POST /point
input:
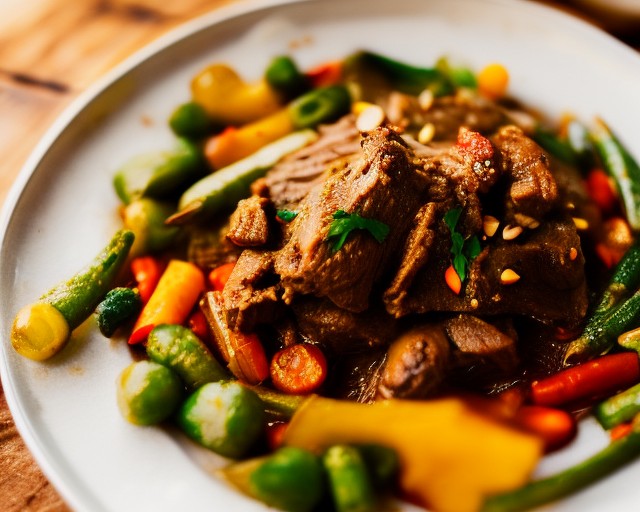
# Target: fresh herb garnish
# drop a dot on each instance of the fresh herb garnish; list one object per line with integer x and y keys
{"x": 344, "y": 223}
{"x": 464, "y": 250}
{"x": 286, "y": 215}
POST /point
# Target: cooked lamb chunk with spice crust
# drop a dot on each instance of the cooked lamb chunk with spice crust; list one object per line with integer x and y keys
{"x": 249, "y": 224}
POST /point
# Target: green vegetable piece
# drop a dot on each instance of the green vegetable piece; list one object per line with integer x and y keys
{"x": 464, "y": 251}
{"x": 382, "y": 463}
{"x": 284, "y": 76}
{"x": 554, "y": 145}
{"x": 286, "y": 215}
{"x": 180, "y": 349}
{"x": 78, "y": 297}
{"x": 401, "y": 76}
{"x": 225, "y": 187}
{"x": 146, "y": 218}
{"x": 225, "y": 417}
{"x": 624, "y": 280}
{"x": 161, "y": 174}
{"x": 622, "y": 167}
{"x": 290, "y": 479}
{"x": 344, "y": 223}
{"x": 148, "y": 393}
{"x": 118, "y": 306}
{"x": 571, "y": 480}
{"x": 619, "y": 408}
{"x": 321, "y": 105}
{"x": 191, "y": 120}
{"x": 457, "y": 76}
{"x": 348, "y": 479}
{"x": 278, "y": 405}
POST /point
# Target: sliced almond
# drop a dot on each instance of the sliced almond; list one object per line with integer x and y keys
{"x": 426, "y": 133}
{"x": 526, "y": 221}
{"x": 511, "y": 232}
{"x": 581, "y": 224}
{"x": 425, "y": 99}
{"x": 490, "y": 225}
{"x": 509, "y": 276}
{"x": 370, "y": 118}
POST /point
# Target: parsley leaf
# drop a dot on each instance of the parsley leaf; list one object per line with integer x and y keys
{"x": 464, "y": 251}
{"x": 344, "y": 223}
{"x": 286, "y": 215}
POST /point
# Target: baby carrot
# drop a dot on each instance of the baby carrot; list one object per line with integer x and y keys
{"x": 146, "y": 271}
{"x": 596, "y": 378}
{"x": 173, "y": 299}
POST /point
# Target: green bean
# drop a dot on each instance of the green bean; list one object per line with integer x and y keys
{"x": 619, "y": 408}
{"x": 348, "y": 479}
{"x": 284, "y": 76}
{"x": 191, "y": 120}
{"x": 146, "y": 218}
{"x": 320, "y": 105}
{"x": 571, "y": 480}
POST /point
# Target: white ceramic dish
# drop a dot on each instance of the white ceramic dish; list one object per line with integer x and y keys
{"x": 63, "y": 209}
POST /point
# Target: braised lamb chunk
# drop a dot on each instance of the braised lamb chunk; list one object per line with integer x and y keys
{"x": 417, "y": 363}
{"x": 294, "y": 176}
{"x": 385, "y": 186}
{"x": 341, "y": 331}
{"x": 249, "y": 224}
{"x": 532, "y": 189}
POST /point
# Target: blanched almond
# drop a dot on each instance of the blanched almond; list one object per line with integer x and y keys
{"x": 509, "y": 276}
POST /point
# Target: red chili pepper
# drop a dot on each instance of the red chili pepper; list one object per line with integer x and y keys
{"x": 555, "y": 426}
{"x": 140, "y": 335}
{"x": 594, "y": 379}
{"x": 601, "y": 191}
{"x": 620, "y": 431}
{"x": 198, "y": 324}
{"x": 219, "y": 276}
{"x": 329, "y": 73}
{"x": 275, "y": 434}
{"x": 146, "y": 271}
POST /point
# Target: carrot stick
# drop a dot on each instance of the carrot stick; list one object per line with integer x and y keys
{"x": 555, "y": 426}
{"x": 298, "y": 369}
{"x": 219, "y": 276}
{"x": 620, "y": 431}
{"x": 173, "y": 299}
{"x": 597, "y": 378}
{"x": 146, "y": 271}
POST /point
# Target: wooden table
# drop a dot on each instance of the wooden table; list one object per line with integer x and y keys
{"x": 50, "y": 51}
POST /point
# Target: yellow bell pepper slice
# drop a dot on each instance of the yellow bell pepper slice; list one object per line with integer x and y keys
{"x": 452, "y": 456}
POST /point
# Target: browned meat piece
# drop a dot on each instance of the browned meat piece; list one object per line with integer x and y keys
{"x": 249, "y": 225}
{"x": 209, "y": 246}
{"x": 532, "y": 188}
{"x": 417, "y": 363}
{"x": 293, "y": 177}
{"x": 384, "y": 186}
{"x": 551, "y": 285}
{"x": 341, "y": 331}
{"x": 480, "y": 343}
{"x": 251, "y": 295}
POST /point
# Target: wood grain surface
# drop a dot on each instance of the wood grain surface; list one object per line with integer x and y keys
{"x": 50, "y": 51}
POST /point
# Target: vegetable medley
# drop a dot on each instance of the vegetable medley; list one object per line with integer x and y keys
{"x": 370, "y": 280}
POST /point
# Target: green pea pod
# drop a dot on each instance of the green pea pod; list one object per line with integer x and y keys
{"x": 224, "y": 188}
{"x": 146, "y": 218}
{"x": 225, "y": 417}
{"x": 161, "y": 174}
{"x": 284, "y": 76}
{"x": 118, "y": 306}
{"x": 619, "y": 408}
{"x": 622, "y": 167}
{"x": 290, "y": 479}
{"x": 148, "y": 393}
{"x": 41, "y": 329}
{"x": 179, "y": 348}
{"x": 348, "y": 479}
{"x": 191, "y": 120}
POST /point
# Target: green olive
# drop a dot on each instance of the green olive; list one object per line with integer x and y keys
{"x": 39, "y": 331}
{"x": 148, "y": 393}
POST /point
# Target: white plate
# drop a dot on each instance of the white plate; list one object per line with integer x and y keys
{"x": 62, "y": 210}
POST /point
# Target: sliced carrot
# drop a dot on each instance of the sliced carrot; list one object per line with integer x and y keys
{"x": 594, "y": 379}
{"x": 298, "y": 369}
{"x": 219, "y": 276}
{"x": 146, "y": 271}
{"x": 555, "y": 426}
{"x": 328, "y": 73}
{"x": 620, "y": 431}
{"x": 453, "y": 280}
{"x": 173, "y": 299}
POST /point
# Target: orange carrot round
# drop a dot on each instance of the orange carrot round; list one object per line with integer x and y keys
{"x": 174, "y": 297}
{"x": 299, "y": 369}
